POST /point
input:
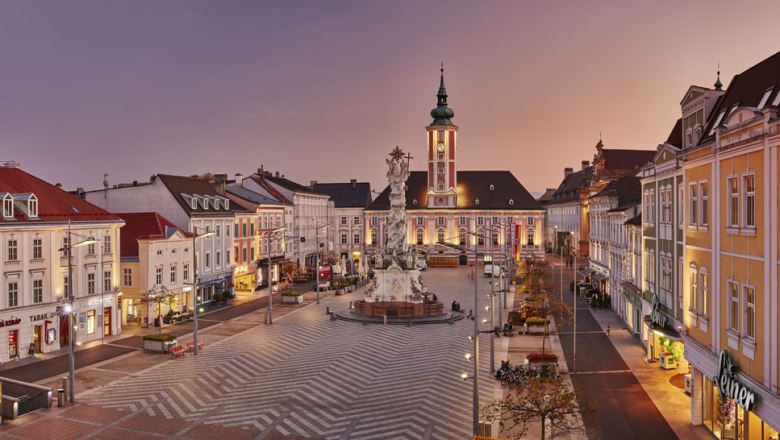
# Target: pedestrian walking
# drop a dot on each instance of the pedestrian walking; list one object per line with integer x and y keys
{"x": 608, "y": 329}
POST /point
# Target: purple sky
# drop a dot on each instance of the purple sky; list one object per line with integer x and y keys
{"x": 323, "y": 90}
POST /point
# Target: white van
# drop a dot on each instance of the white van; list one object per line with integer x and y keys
{"x": 493, "y": 270}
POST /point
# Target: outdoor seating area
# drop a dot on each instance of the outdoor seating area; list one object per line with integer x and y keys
{"x": 176, "y": 351}
{"x": 191, "y": 346}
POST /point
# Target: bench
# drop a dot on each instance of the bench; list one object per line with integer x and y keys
{"x": 191, "y": 346}
{"x": 176, "y": 351}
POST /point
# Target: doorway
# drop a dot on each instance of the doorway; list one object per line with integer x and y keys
{"x": 64, "y": 333}
{"x": 107, "y": 321}
{"x": 38, "y": 338}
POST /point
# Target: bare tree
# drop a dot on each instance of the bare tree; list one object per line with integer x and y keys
{"x": 159, "y": 297}
{"x": 550, "y": 402}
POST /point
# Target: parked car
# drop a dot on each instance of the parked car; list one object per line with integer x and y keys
{"x": 493, "y": 270}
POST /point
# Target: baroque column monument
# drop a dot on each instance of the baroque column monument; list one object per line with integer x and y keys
{"x": 396, "y": 275}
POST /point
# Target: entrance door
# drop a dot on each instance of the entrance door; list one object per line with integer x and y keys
{"x": 38, "y": 338}
{"x": 64, "y": 333}
{"x": 107, "y": 321}
{"x": 13, "y": 343}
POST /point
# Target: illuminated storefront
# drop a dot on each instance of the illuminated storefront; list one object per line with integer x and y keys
{"x": 663, "y": 341}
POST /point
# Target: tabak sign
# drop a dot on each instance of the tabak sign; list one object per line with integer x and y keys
{"x": 729, "y": 386}
{"x": 657, "y": 317}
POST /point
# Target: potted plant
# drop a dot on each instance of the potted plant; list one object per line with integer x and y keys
{"x": 158, "y": 343}
{"x": 542, "y": 358}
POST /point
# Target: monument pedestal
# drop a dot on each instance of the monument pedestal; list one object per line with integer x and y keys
{"x": 396, "y": 284}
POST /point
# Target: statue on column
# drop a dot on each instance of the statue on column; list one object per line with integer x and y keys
{"x": 396, "y": 249}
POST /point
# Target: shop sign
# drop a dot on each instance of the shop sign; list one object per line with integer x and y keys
{"x": 657, "y": 317}
{"x": 107, "y": 300}
{"x": 41, "y": 317}
{"x": 729, "y": 386}
{"x": 10, "y": 322}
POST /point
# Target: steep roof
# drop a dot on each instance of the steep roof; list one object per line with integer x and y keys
{"x": 472, "y": 186}
{"x": 252, "y": 196}
{"x": 675, "y": 136}
{"x": 54, "y": 204}
{"x": 143, "y": 225}
{"x": 619, "y": 159}
{"x": 746, "y": 90}
{"x": 627, "y": 189}
{"x": 179, "y": 186}
{"x": 347, "y": 195}
{"x": 567, "y": 190}
{"x": 284, "y": 183}
{"x": 546, "y": 197}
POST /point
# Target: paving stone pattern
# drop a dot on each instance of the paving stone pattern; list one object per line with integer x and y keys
{"x": 311, "y": 377}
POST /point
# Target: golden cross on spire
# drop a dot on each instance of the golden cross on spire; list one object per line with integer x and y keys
{"x": 397, "y": 154}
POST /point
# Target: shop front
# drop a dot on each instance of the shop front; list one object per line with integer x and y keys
{"x": 29, "y": 332}
{"x": 663, "y": 341}
{"x": 245, "y": 278}
{"x": 633, "y": 317}
{"x": 729, "y": 407}
{"x": 210, "y": 285}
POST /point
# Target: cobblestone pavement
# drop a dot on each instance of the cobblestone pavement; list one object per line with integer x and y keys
{"x": 304, "y": 376}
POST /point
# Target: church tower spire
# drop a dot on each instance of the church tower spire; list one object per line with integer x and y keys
{"x": 442, "y": 136}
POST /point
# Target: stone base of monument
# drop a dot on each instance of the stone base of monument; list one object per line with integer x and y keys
{"x": 398, "y": 309}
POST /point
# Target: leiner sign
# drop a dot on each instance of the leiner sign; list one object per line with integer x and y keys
{"x": 656, "y": 316}
{"x": 729, "y": 386}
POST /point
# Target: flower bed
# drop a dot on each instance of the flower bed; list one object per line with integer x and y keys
{"x": 535, "y": 320}
{"x": 292, "y": 297}
{"x": 542, "y": 357}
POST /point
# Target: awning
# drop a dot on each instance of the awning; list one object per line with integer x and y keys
{"x": 666, "y": 332}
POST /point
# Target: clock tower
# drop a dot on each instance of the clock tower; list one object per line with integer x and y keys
{"x": 442, "y": 139}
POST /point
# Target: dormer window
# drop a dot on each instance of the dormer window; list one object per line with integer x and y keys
{"x": 414, "y": 202}
{"x": 8, "y": 206}
{"x": 32, "y": 207}
{"x": 476, "y": 202}
{"x": 511, "y": 202}
{"x": 492, "y": 188}
{"x": 765, "y": 98}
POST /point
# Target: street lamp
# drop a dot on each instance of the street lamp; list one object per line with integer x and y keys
{"x": 69, "y": 308}
{"x": 270, "y": 286}
{"x": 575, "y": 298}
{"x": 317, "y": 263}
{"x": 195, "y": 296}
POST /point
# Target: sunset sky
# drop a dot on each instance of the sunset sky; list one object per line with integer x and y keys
{"x": 323, "y": 90}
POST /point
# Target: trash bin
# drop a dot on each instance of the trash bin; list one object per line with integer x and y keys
{"x": 60, "y": 398}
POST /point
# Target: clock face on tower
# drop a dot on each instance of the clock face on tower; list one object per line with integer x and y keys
{"x": 440, "y": 201}
{"x": 440, "y": 147}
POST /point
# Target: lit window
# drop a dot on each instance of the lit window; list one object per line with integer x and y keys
{"x": 692, "y": 293}
{"x": 703, "y": 194}
{"x": 158, "y": 276}
{"x": 750, "y": 311}
{"x": 694, "y": 205}
{"x": 419, "y": 237}
{"x": 733, "y": 202}
{"x": 749, "y": 186}
{"x": 127, "y": 276}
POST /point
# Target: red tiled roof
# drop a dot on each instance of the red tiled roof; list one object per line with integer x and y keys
{"x": 142, "y": 225}
{"x": 54, "y": 204}
{"x": 615, "y": 159}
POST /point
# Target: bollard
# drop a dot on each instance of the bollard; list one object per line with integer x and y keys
{"x": 452, "y": 319}
{"x": 327, "y": 310}
{"x": 608, "y": 329}
{"x": 332, "y": 316}
{"x": 409, "y": 322}
{"x": 65, "y": 383}
{"x": 60, "y": 398}
{"x": 385, "y": 316}
{"x": 350, "y": 305}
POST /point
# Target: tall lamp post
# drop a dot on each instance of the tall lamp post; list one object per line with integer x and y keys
{"x": 576, "y": 297}
{"x": 317, "y": 262}
{"x": 195, "y": 296}
{"x": 270, "y": 235}
{"x": 69, "y": 308}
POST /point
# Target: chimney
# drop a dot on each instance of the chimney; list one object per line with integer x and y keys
{"x": 353, "y": 182}
{"x": 585, "y": 164}
{"x": 220, "y": 182}
{"x": 135, "y": 183}
{"x": 58, "y": 185}
{"x": 567, "y": 171}
{"x": 239, "y": 180}
{"x": 313, "y": 184}
{"x": 276, "y": 174}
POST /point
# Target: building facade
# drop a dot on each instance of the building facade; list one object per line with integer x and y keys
{"x": 450, "y": 212}
{"x": 37, "y": 221}
{"x": 731, "y": 258}
{"x": 349, "y": 201}
{"x": 156, "y": 262}
{"x": 193, "y": 205}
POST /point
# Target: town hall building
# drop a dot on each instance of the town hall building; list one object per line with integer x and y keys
{"x": 452, "y": 213}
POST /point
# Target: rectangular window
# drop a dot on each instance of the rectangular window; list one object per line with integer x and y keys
{"x": 37, "y": 249}
{"x": 243, "y": 229}
{"x": 66, "y": 286}
{"x": 219, "y": 229}
{"x": 750, "y": 311}
{"x": 733, "y": 203}
{"x": 13, "y": 250}
{"x": 127, "y": 276}
{"x": 107, "y": 281}
{"x": 90, "y": 284}
{"x": 733, "y": 316}
{"x": 440, "y": 135}
{"x": 243, "y": 255}
{"x": 252, "y": 228}
{"x": 693, "y": 203}
{"x": 91, "y": 324}
{"x": 356, "y": 239}
{"x": 252, "y": 253}
{"x": 462, "y": 239}
{"x": 158, "y": 276}
{"x": 749, "y": 186}
{"x": 462, "y": 221}
{"x": 480, "y": 240}
{"x": 91, "y": 247}
{"x": 343, "y": 220}
{"x": 37, "y": 291}
{"x": 440, "y": 237}
{"x": 419, "y": 237}
{"x": 530, "y": 221}
{"x": 705, "y": 205}
{"x": 65, "y": 246}
{"x": 420, "y": 221}
{"x": 441, "y": 221}
{"x": 218, "y": 261}
{"x": 440, "y": 170}
{"x": 680, "y": 205}
{"x": 480, "y": 221}
{"x": 343, "y": 238}
{"x": 173, "y": 274}
{"x": 374, "y": 221}
{"x": 236, "y": 230}
{"x": 356, "y": 220}
{"x": 13, "y": 294}
{"x": 692, "y": 294}
{"x": 704, "y": 296}
{"x": 107, "y": 243}
{"x": 186, "y": 272}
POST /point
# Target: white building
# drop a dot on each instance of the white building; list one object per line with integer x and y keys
{"x": 193, "y": 205}
{"x": 564, "y": 211}
{"x": 349, "y": 200}
{"x": 309, "y": 222}
{"x": 156, "y": 257}
{"x": 34, "y": 228}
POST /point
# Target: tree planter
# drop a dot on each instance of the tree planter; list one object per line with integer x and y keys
{"x": 293, "y": 298}
{"x": 159, "y": 343}
{"x": 536, "y": 329}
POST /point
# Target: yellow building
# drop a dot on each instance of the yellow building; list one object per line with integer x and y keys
{"x": 731, "y": 257}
